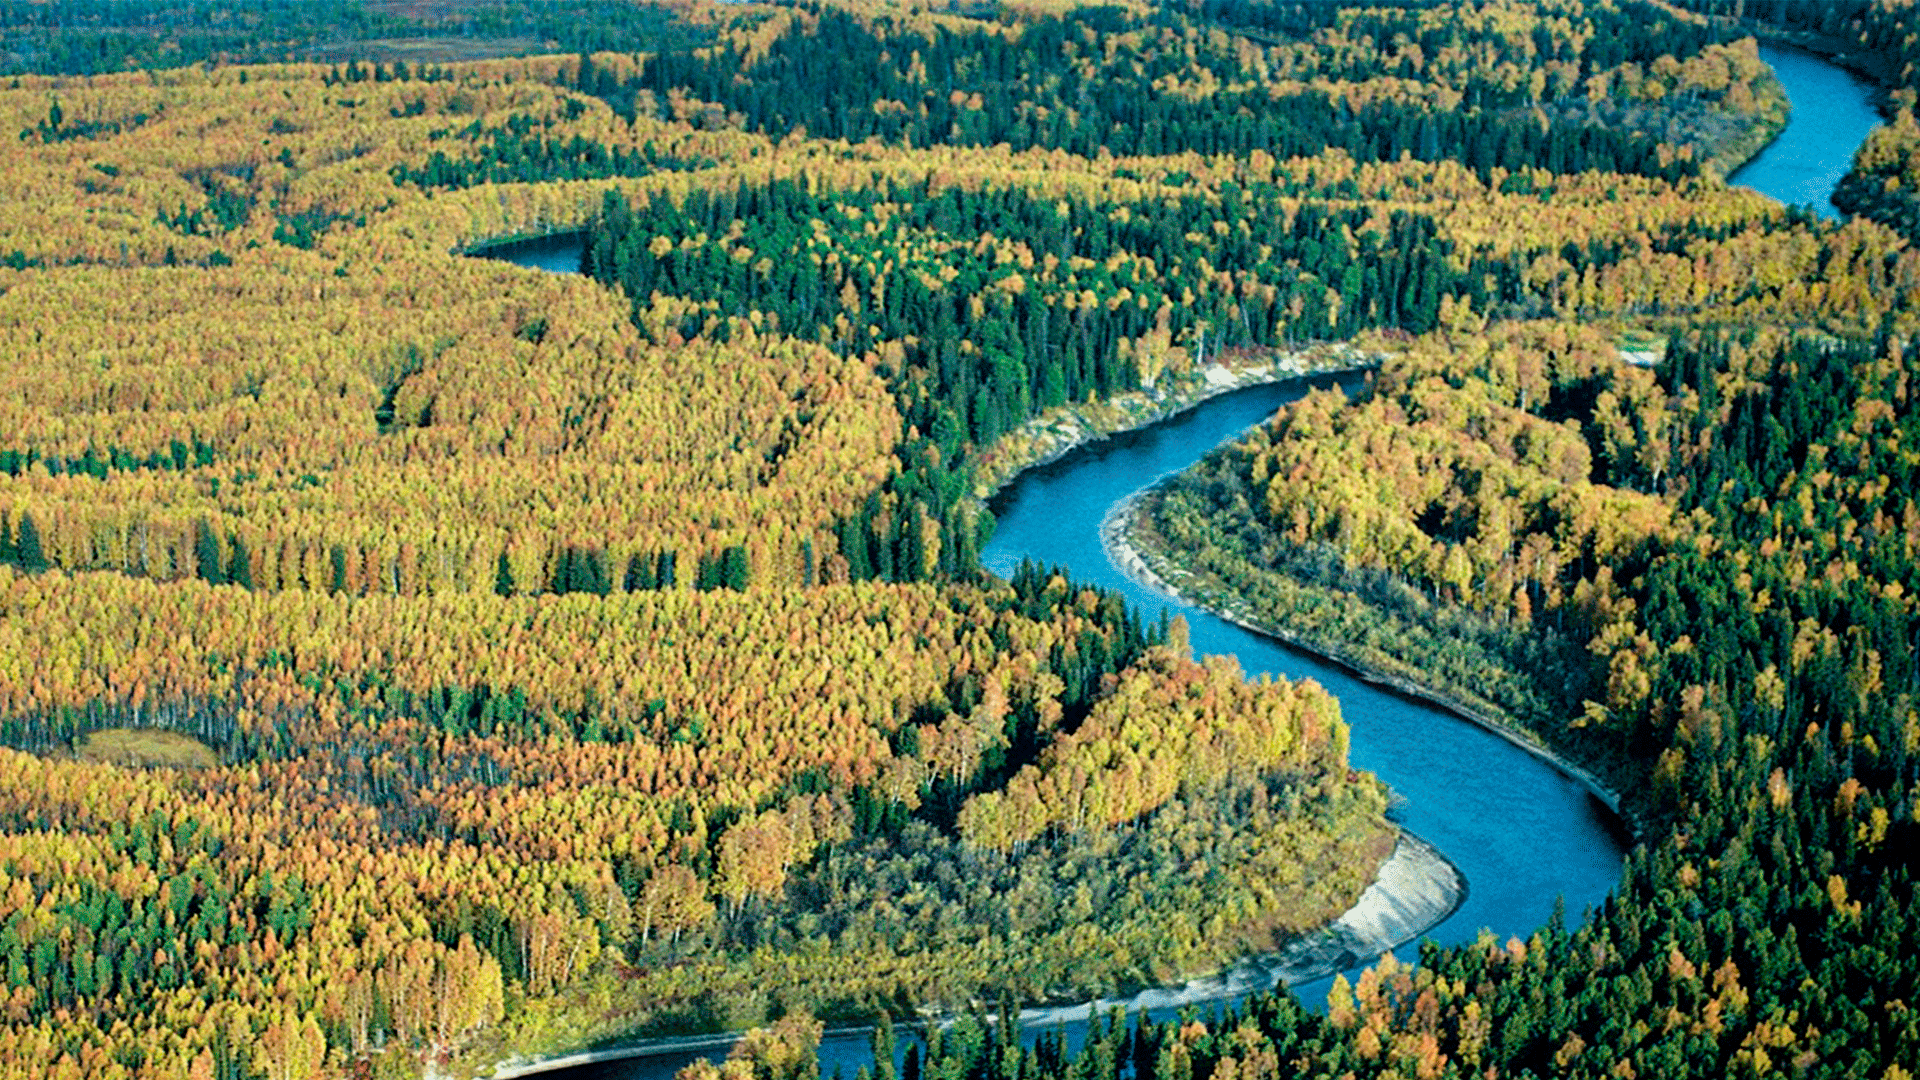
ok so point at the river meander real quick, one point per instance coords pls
(1525, 834)
(1832, 113)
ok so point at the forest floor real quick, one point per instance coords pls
(1146, 563)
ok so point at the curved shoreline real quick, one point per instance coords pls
(1414, 890)
(1115, 536)
(1059, 432)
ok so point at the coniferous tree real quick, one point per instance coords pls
(594, 571)
(640, 574)
(239, 565)
(734, 571)
(30, 556)
(208, 561)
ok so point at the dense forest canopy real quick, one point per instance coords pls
(85, 37)
(571, 657)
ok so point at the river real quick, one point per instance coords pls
(1525, 835)
(1832, 113)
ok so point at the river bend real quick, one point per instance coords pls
(1525, 835)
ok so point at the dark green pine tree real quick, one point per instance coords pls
(734, 569)
(29, 554)
(207, 555)
(590, 571)
(639, 572)
(706, 574)
(239, 564)
(503, 577)
(853, 545)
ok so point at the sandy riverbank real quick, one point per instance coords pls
(1412, 892)
(651, 1048)
(1153, 572)
(1058, 432)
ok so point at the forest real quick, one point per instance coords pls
(1696, 576)
(569, 658)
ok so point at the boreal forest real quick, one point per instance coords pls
(411, 661)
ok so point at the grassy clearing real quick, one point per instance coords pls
(146, 747)
(444, 49)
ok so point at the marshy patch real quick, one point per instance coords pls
(146, 748)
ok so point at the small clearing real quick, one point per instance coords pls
(146, 747)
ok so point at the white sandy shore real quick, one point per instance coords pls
(1412, 892)
(1058, 432)
(650, 1048)
(1415, 889)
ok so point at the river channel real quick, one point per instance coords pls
(1525, 835)
(1832, 113)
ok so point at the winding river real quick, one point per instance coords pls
(1525, 835)
(1832, 113)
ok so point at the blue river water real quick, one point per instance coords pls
(1832, 113)
(1524, 834)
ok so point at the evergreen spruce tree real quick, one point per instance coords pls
(503, 577)
(30, 556)
(566, 576)
(734, 569)
(207, 557)
(592, 566)
(639, 572)
(239, 564)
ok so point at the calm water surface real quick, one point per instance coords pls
(1522, 832)
(1832, 113)
(1525, 835)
